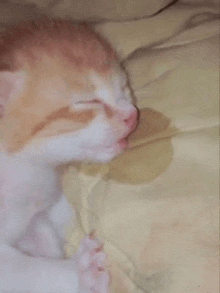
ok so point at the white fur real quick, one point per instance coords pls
(33, 212)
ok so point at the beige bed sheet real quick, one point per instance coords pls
(156, 206)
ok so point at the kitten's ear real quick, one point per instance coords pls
(11, 84)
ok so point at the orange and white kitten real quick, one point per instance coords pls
(63, 97)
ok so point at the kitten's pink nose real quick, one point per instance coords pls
(131, 120)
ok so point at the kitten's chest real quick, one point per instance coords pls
(28, 184)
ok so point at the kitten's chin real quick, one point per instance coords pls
(106, 154)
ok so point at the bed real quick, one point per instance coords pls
(156, 206)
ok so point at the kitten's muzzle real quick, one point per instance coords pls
(131, 120)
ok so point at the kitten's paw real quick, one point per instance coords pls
(91, 262)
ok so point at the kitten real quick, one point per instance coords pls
(63, 97)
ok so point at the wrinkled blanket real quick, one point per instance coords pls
(156, 206)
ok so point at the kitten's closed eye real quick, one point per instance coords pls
(93, 101)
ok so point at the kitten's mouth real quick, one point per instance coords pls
(107, 153)
(123, 143)
(120, 144)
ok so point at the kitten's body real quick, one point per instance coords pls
(63, 98)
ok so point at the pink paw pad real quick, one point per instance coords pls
(91, 261)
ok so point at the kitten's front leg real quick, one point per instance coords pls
(84, 273)
(81, 274)
(20, 273)
(41, 239)
(46, 234)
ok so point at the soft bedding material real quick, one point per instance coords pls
(156, 206)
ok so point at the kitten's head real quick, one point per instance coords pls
(64, 105)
